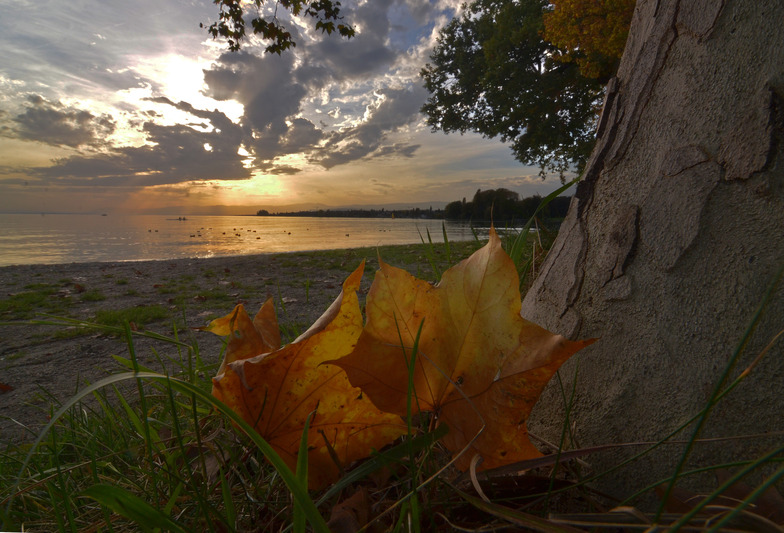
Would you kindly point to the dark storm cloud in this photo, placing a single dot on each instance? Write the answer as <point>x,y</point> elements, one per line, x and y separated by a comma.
<point>264,85</point>
<point>230,134</point>
<point>175,154</point>
<point>399,108</point>
<point>302,135</point>
<point>271,96</point>
<point>284,170</point>
<point>367,52</point>
<point>420,10</point>
<point>59,125</point>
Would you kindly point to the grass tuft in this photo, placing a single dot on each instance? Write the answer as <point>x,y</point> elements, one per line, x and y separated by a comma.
<point>140,316</point>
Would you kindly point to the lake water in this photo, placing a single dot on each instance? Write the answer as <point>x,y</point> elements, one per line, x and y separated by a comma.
<point>51,239</point>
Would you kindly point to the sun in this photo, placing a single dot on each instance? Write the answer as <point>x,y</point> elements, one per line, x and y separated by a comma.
<point>180,79</point>
<point>260,188</point>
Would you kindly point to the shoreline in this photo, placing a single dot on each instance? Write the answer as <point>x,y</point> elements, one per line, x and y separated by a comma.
<point>228,257</point>
<point>153,238</point>
<point>182,293</point>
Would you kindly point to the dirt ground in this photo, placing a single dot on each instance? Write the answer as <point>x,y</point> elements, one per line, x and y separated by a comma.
<point>42,365</point>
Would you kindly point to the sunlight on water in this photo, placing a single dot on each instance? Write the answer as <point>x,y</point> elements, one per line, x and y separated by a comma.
<point>30,239</point>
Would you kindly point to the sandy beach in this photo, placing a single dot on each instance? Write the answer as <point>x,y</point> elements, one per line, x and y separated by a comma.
<point>42,364</point>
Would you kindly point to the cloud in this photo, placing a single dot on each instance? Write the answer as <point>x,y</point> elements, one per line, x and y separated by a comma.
<point>271,98</point>
<point>420,11</point>
<point>264,85</point>
<point>284,170</point>
<point>270,88</point>
<point>394,109</point>
<point>302,135</point>
<point>173,154</point>
<point>60,125</point>
<point>397,149</point>
<point>367,52</point>
<point>382,187</point>
<point>228,135</point>
<point>129,98</point>
<point>273,91</point>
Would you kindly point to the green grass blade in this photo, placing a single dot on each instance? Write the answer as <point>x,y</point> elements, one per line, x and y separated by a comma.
<point>719,389</point>
<point>299,491</point>
<point>57,500</point>
<point>447,248</point>
<point>759,491</point>
<point>228,502</point>
<point>413,501</point>
<point>726,485</point>
<point>413,468</point>
<point>185,469</point>
<point>517,249</point>
<point>136,421</point>
<point>64,497</point>
<point>528,521</point>
<point>385,458</point>
<point>568,404</point>
<point>302,474</point>
<point>54,320</point>
<point>430,253</point>
<point>131,507</point>
<point>173,498</point>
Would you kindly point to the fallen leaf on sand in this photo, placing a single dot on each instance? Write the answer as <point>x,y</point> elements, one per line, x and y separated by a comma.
<point>276,391</point>
<point>479,364</point>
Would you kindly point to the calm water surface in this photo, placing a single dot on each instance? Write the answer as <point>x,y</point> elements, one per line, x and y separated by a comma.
<point>50,239</point>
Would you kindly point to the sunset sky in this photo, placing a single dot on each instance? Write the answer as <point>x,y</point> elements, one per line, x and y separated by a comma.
<point>131,107</point>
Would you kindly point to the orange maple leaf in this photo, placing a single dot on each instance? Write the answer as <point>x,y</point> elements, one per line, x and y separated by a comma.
<point>248,338</point>
<point>276,391</point>
<point>478,362</point>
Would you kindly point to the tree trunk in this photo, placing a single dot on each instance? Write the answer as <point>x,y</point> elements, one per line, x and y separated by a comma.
<point>675,234</point>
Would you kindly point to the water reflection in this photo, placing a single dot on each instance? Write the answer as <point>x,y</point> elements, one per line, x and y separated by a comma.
<point>28,239</point>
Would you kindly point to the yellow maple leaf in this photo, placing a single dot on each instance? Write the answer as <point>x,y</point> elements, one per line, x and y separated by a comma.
<point>275,392</point>
<point>478,363</point>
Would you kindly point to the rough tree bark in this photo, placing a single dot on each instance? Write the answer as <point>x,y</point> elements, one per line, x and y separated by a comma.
<point>673,237</point>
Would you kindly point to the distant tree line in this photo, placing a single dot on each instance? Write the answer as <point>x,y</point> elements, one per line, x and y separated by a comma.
<point>497,205</point>
<point>504,205</point>
<point>361,213</point>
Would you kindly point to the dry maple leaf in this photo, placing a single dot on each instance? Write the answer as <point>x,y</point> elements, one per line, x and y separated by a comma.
<point>479,363</point>
<point>275,392</point>
<point>248,338</point>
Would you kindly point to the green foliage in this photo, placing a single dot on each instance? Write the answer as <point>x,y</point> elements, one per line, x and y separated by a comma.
<point>125,503</point>
<point>500,205</point>
<point>492,73</point>
<point>231,24</point>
